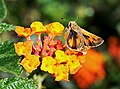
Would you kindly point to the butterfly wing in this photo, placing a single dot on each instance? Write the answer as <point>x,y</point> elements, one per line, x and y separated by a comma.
<point>91,40</point>
<point>72,39</point>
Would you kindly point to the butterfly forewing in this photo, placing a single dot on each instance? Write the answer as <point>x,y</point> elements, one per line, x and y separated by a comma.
<point>91,40</point>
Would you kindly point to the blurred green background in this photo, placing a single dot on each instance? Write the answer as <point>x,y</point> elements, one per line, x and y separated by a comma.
<point>101,17</point>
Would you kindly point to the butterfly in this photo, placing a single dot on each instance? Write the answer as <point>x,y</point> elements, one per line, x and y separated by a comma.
<point>78,39</point>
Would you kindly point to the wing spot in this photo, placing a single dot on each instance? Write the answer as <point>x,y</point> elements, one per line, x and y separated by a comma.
<point>86,36</point>
<point>93,43</point>
<point>94,39</point>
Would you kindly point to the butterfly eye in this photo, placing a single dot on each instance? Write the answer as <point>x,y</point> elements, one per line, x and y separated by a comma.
<point>70,25</point>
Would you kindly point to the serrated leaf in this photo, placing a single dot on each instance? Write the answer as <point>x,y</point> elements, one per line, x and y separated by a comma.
<point>9,60</point>
<point>4,27</point>
<point>3,10</point>
<point>17,83</point>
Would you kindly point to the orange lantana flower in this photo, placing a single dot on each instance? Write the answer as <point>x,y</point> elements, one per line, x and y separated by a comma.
<point>92,70</point>
<point>114,48</point>
<point>21,31</point>
<point>23,48</point>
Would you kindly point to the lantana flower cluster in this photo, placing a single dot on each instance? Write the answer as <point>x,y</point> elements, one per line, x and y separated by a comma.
<point>48,54</point>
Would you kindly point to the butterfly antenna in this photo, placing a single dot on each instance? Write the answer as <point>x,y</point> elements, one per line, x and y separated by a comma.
<point>64,19</point>
<point>76,18</point>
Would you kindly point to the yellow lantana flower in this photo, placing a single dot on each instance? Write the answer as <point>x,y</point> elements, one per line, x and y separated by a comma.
<point>73,64</point>
<point>48,64</point>
<point>61,72</point>
<point>61,56</point>
<point>55,28</point>
<point>38,27</point>
<point>23,48</point>
<point>30,62</point>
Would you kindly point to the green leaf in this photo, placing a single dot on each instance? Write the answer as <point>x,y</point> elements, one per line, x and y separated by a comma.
<point>9,59</point>
<point>17,83</point>
<point>3,10</point>
<point>4,27</point>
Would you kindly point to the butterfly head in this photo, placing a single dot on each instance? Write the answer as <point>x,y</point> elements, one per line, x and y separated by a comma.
<point>72,25</point>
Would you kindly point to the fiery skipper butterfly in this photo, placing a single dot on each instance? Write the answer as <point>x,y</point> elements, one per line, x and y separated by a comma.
<point>78,39</point>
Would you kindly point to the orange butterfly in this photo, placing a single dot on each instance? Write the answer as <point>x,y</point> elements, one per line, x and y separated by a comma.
<point>78,39</point>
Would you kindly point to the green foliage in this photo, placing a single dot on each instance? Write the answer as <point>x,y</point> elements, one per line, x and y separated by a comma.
<point>4,27</point>
<point>3,10</point>
<point>17,83</point>
<point>49,9</point>
<point>9,59</point>
<point>113,75</point>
